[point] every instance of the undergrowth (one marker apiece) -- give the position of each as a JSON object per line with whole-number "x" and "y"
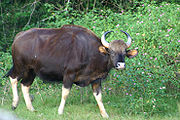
{"x": 150, "y": 82}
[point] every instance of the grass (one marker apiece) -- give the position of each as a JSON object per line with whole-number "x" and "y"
{"x": 147, "y": 89}
{"x": 80, "y": 105}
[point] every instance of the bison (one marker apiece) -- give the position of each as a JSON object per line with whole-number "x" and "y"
{"x": 71, "y": 54}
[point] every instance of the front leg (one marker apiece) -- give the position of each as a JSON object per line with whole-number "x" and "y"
{"x": 67, "y": 84}
{"x": 98, "y": 96}
{"x": 65, "y": 93}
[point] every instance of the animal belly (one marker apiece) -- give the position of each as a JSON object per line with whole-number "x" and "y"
{"x": 85, "y": 80}
{"x": 50, "y": 76}
{"x": 82, "y": 83}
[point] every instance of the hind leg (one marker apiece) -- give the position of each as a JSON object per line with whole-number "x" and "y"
{"x": 14, "y": 83}
{"x": 25, "y": 86}
{"x": 25, "y": 90}
{"x": 98, "y": 96}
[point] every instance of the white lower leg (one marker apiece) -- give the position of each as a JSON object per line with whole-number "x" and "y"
{"x": 25, "y": 90}
{"x": 14, "y": 83}
{"x": 65, "y": 93}
{"x": 100, "y": 104}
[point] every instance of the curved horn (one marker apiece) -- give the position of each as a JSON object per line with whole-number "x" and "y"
{"x": 128, "y": 43}
{"x": 103, "y": 39}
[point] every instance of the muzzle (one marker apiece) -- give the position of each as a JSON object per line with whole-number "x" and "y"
{"x": 120, "y": 65}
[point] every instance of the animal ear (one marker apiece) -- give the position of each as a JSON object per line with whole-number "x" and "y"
{"x": 132, "y": 53}
{"x": 102, "y": 49}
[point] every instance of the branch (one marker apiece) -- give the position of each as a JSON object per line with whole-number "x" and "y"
{"x": 87, "y": 7}
{"x": 67, "y": 5}
{"x": 94, "y": 5}
{"x": 2, "y": 20}
{"x": 33, "y": 4}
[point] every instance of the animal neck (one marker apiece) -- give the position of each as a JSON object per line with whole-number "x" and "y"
{"x": 110, "y": 64}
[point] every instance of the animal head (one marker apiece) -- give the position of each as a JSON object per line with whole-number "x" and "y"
{"x": 117, "y": 50}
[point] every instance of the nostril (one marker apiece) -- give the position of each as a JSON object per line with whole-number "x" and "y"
{"x": 120, "y": 65}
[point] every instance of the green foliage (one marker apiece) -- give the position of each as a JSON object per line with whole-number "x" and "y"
{"x": 149, "y": 83}
{"x": 74, "y": 110}
{"x": 5, "y": 65}
{"x": 17, "y": 16}
{"x": 150, "y": 77}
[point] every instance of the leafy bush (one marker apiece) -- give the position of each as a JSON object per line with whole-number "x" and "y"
{"x": 149, "y": 81}
{"x": 5, "y": 65}
{"x": 150, "y": 78}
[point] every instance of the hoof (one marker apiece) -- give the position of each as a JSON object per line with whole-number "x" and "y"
{"x": 13, "y": 108}
{"x": 60, "y": 112}
{"x": 35, "y": 111}
{"x": 105, "y": 115}
{"x": 31, "y": 109}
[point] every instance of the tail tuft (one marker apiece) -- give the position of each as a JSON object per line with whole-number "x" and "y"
{"x": 9, "y": 73}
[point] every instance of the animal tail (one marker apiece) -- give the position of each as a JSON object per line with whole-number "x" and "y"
{"x": 9, "y": 73}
